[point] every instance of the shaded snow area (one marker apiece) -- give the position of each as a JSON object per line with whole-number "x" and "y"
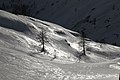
{"x": 21, "y": 57}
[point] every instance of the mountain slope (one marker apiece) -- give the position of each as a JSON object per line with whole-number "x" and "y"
{"x": 20, "y": 56}
{"x": 99, "y": 18}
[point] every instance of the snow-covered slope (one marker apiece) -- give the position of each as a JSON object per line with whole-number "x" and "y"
{"x": 100, "y": 18}
{"x": 20, "y": 56}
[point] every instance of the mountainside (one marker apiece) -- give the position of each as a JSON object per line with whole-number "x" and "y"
{"x": 99, "y": 18}
{"x": 21, "y": 56}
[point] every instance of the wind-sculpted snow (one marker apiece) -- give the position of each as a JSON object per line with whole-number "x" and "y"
{"x": 21, "y": 57}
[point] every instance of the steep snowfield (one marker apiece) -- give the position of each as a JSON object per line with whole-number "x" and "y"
{"x": 100, "y": 18}
{"x": 21, "y": 59}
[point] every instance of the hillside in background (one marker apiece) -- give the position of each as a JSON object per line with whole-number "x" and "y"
{"x": 100, "y": 19}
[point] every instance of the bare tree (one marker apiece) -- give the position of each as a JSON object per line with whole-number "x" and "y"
{"x": 42, "y": 37}
{"x": 83, "y": 43}
{"x": 83, "y": 35}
